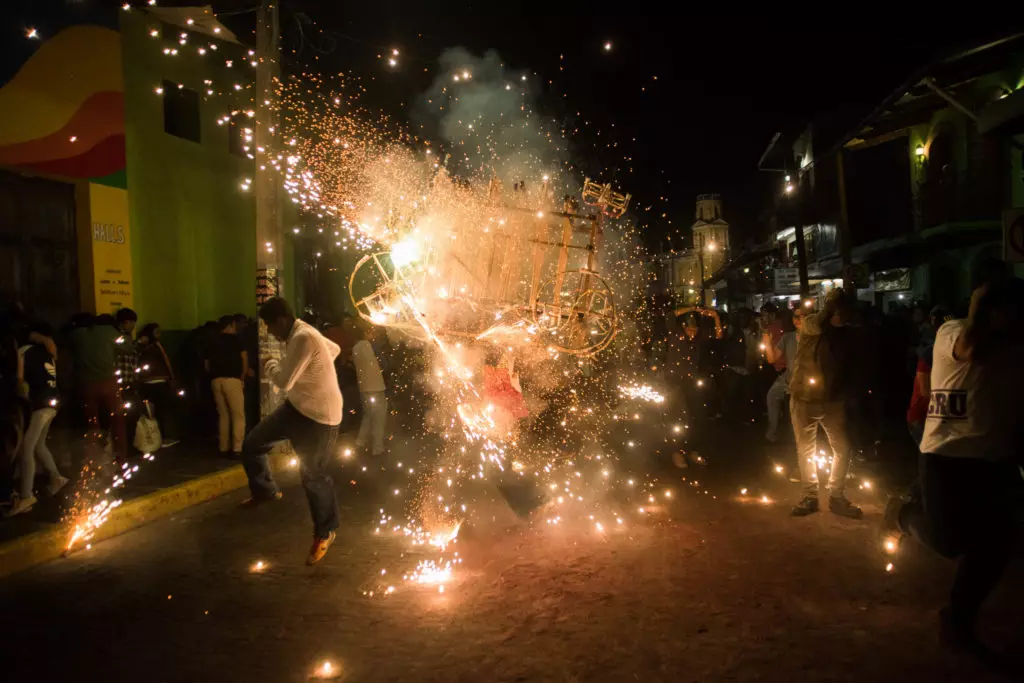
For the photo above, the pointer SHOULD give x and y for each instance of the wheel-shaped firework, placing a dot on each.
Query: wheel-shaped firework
(575, 313)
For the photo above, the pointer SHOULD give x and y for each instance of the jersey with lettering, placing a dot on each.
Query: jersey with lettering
(969, 411)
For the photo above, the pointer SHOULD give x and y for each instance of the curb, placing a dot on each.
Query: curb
(43, 546)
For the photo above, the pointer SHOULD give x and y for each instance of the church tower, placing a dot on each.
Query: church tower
(711, 232)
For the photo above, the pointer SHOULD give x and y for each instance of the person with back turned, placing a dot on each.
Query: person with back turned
(308, 418)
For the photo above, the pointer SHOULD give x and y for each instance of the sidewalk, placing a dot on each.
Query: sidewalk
(177, 477)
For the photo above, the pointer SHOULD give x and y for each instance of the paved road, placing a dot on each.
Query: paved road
(710, 589)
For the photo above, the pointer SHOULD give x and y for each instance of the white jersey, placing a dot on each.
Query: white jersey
(969, 412)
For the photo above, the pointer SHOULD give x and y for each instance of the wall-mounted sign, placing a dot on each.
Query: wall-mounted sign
(787, 280)
(111, 248)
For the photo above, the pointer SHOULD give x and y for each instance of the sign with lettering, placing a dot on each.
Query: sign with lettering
(111, 248)
(946, 404)
(787, 280)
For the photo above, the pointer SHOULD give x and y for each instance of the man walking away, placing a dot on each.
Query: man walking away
(822, 379)
(40, 374)
(371, 389)
(308, 418)
(228, 366)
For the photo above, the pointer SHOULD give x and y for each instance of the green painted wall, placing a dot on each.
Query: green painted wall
(192, 227)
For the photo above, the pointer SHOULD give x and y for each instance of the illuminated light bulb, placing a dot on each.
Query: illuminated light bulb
(128, 405)
(779, 469)
(73, 138)
(808, 303)
(743, 492)
(764, 499)
(608, 46)
(700, 383)
(866, 484)
(294, 462)
(891, 545)
(126, 6)
(811, 380)
(159, 91)
(258, 566)
(889, 567)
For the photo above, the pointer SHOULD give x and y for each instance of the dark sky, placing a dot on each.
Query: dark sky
(726, 79)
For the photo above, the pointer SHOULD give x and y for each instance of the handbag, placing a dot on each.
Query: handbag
(147, 431)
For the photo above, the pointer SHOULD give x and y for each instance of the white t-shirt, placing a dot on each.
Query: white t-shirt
(970, 412)
(371, 380)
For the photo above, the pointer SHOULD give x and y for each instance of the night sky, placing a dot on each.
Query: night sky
(702, 91)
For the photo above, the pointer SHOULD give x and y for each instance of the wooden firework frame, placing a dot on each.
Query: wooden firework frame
(514, 279)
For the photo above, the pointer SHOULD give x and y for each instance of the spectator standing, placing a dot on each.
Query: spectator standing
(372, 391)
(127, 357)
(780, 351)
(158, 382)
(40, 377)
(308, 418)
(94, 346)
(822, 380)
(228, 366)
(968, 475)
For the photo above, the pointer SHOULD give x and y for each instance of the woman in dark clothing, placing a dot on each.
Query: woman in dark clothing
(158, 382)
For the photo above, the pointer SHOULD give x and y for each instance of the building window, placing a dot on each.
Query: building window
(181, 112)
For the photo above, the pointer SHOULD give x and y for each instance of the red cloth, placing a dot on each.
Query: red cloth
(918, 410)
(498, 390)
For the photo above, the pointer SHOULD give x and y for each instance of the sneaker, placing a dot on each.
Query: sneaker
(56, 484)
(320, 546)
(20, 505)
(807, 506)
(839, 505)
(253, 501)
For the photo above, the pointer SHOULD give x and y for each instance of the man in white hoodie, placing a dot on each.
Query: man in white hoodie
(308, 418)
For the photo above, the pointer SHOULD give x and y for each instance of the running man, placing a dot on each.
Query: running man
(308, 418)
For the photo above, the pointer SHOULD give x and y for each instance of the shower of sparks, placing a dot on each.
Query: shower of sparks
(641, 392)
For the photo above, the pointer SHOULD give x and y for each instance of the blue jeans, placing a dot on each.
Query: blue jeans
(313, 443)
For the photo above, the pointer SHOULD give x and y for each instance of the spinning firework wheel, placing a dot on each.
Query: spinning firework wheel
(381, 291)
(579, 318)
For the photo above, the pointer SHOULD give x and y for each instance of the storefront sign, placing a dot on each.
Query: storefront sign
(111, 248)
(787, 280)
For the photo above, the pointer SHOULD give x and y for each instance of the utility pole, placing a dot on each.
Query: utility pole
(845, 240)
(801, 248)
(269, 237)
